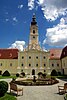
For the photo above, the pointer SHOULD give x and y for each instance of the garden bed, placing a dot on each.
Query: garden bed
(38, 82)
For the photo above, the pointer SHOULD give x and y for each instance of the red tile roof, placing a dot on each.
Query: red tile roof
(8, 53)
(55, 53)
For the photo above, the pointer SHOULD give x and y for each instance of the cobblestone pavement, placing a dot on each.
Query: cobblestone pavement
(41, 92)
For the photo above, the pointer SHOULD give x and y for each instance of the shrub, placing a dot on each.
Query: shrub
(3, 88)
(40, 73)
(53, 78)
(54, 73)
(0, 72)
(6, 73)
(13, 80)
(34, 78)
(44, 75)
(23, 74)
(17, 75)
(59, 73)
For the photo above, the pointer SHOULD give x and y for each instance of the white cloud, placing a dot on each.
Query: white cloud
(7, 19)
(15, 19)
(20, 6)
(31, 4)
(18, 44)
(52, 9)
(57, 36)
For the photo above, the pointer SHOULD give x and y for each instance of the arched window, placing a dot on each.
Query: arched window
(52, 65)
(10, 64)
(34, 31)
(29, 64)
(36, 64)
(22, 64)
(34, 37)
(44, 65)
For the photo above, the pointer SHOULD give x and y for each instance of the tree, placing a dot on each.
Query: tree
(54, 73)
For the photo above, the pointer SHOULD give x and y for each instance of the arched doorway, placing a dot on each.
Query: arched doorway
(33, 72)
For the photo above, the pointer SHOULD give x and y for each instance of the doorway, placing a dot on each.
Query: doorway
(33, 72)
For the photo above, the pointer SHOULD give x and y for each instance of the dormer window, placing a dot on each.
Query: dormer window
(10, 54)
(64, 53)
(0, 54)
(52, 54)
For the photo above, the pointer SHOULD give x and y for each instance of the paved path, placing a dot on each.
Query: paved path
(41, 92)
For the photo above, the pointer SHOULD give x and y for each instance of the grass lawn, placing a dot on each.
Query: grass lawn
(7, 96)
(4, 77)
(66, 96)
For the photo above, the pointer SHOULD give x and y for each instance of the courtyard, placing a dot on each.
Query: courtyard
(40, 92)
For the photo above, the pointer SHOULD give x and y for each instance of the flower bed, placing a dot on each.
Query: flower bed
(30, 82)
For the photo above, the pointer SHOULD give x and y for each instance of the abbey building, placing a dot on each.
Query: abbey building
(33, 59)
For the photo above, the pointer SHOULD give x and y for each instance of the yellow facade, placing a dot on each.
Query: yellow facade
(64, 65)
(55, 64)
(33, 59)
(9, 64)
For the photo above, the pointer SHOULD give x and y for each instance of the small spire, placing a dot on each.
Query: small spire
(33, 20)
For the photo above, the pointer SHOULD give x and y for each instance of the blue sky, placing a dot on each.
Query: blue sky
(16, 16)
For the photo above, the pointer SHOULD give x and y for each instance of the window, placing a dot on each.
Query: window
(44, 64)
(22, 57)
(52, 65)
(34, 31)
(64, 53)
(52, 54)
(22, 64)
(44, 70)
(36, 57)
(36, 64)
(29, 64)
(44, 57)
(33, 36)
(10, 64)
(0, 64)
(29, 57)
(58, 65)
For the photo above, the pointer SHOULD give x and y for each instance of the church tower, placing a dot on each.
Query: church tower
(34, 37)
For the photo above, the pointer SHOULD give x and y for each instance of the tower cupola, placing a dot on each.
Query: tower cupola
(33, 20)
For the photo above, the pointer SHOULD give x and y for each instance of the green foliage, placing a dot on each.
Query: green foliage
(44, 75)
(59, 73)
(6, 77)
(8, 97)
(17, 75)
(6, 73)
(0, 72)
(23, 74)
(40, 73)
(54, 73)
(3, 88)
